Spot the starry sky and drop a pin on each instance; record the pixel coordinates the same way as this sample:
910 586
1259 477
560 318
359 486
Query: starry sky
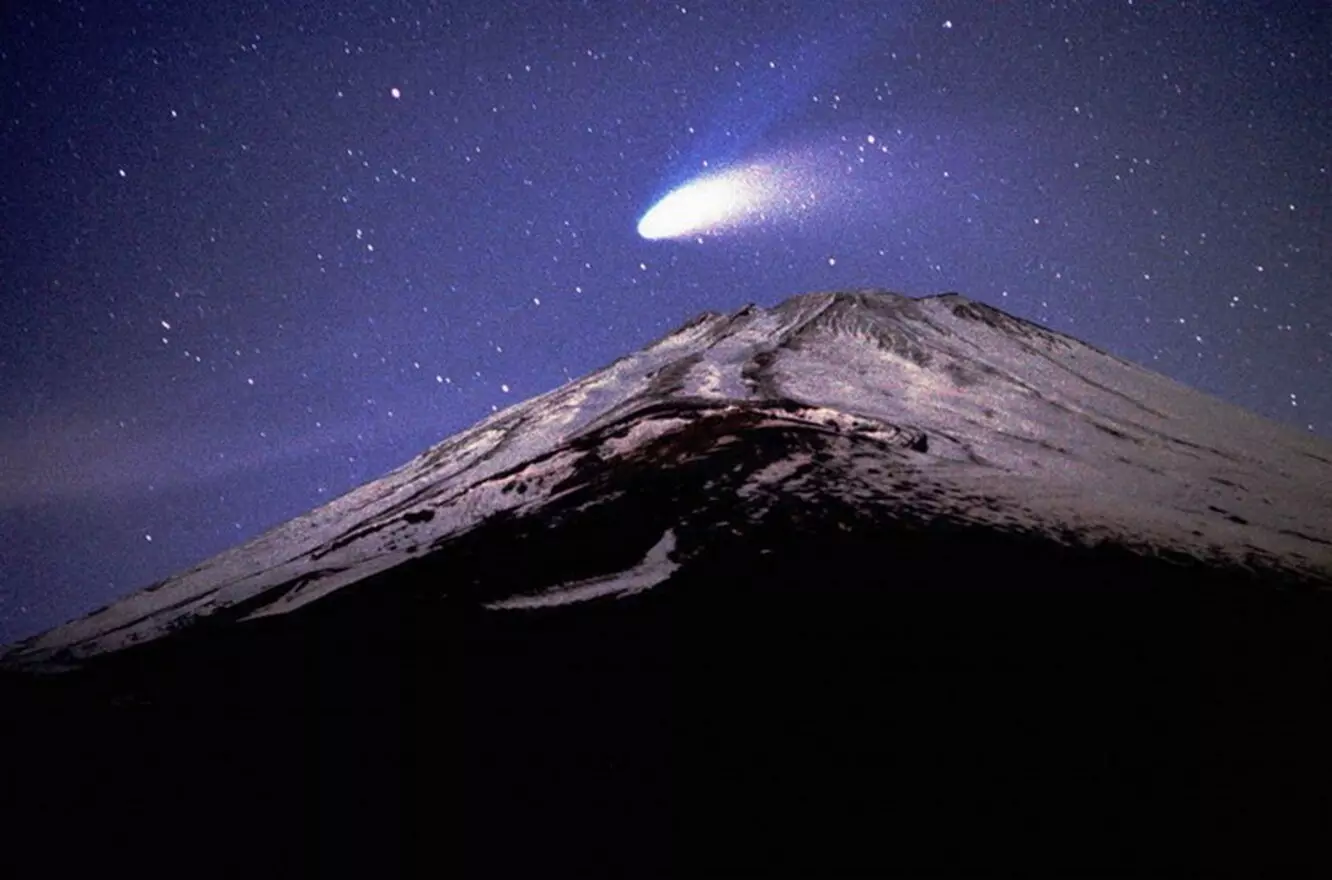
255 254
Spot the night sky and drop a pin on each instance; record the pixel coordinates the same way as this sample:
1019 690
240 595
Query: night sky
256 254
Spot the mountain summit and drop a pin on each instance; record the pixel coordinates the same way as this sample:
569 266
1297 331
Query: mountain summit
859 582
933 409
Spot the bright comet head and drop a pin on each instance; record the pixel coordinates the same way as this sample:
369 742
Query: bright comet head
706 204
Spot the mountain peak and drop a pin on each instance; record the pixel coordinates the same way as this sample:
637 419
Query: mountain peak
985 404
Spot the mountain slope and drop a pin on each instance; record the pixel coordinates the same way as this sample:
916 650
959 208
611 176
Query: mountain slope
858 583
1005 415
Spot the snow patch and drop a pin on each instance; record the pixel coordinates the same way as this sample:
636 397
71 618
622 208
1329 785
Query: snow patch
640 433
655 568
772 474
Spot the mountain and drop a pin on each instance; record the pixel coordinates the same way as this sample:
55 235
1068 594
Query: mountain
856 583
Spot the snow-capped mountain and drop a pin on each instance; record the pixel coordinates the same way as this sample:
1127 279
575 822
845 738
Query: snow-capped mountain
943 407
856 584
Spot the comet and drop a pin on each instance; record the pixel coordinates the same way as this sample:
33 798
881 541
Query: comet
781 187
710 204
